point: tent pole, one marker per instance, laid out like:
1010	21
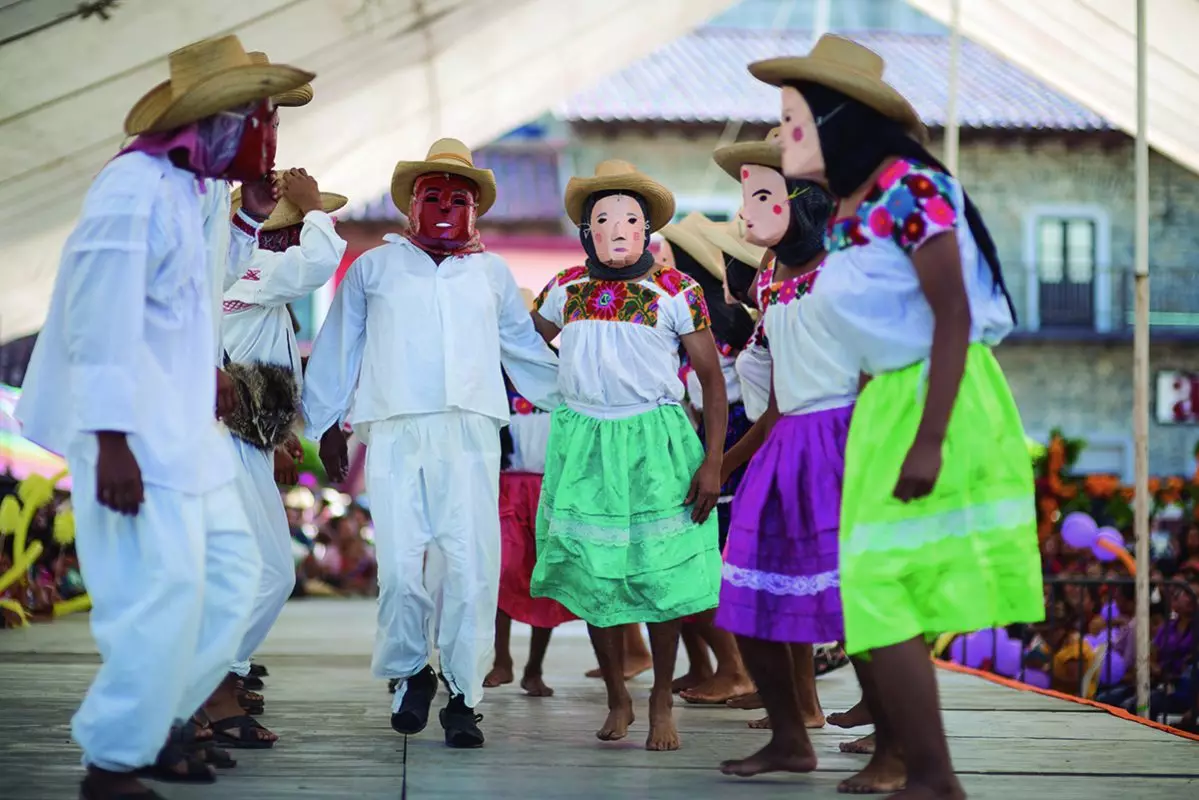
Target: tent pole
1140	409
951	110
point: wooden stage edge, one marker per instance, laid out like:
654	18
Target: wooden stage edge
332	717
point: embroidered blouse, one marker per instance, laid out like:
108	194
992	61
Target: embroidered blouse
619	351
529	428
869	294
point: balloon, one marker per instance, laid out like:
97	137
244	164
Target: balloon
1095	639
1110	612
1079	529
1113	668
974	649
1112	537
1007	658
1037	678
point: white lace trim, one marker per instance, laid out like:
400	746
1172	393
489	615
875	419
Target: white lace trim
636	533
779	584
998	516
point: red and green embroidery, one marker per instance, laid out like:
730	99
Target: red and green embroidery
783	292
611	301
564	277
671	280
700	319
909	204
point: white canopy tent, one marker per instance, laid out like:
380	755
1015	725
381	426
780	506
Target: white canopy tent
393	75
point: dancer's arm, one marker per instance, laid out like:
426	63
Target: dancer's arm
740	453
336	359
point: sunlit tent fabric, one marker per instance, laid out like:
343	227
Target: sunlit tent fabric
393	76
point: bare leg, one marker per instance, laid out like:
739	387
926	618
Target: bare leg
907	694
731	678
609	651
532	683
789	749
664	642
699	668
885	773
501	667
805	683
636	655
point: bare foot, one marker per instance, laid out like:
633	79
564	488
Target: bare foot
719	689
633	667
772	758
663	735
762	724
616	726
813	721
949	790
883	775
593	673
533	685
853	718
693	678
500	675
746	702
860	747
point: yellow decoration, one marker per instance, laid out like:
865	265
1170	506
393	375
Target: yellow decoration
81	603
18	609
64	527
20	565
35	491
10	515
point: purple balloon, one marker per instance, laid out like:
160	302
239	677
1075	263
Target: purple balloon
1079	529
1095	639
1110	535
308	480
1037	678
1007	658
1113	668
973	650
1110	612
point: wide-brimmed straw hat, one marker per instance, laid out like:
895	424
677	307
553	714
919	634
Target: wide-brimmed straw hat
615	174
208	77
287	213
445	156
848	67
688	235
292	98
729	239
766	153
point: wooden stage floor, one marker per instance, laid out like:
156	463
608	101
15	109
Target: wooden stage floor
336	741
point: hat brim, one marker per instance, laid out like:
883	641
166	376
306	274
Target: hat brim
294	98
733	247
160	111
690	239
867	89
287	213
731	158
406	173
657	197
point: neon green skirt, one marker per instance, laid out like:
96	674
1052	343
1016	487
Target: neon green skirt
965	557
615	544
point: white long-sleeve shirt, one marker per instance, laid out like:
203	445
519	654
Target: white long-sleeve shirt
256	325
127	344
230	246
407	336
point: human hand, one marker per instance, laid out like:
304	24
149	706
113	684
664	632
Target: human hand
300	188
286	468
704	491
921	467
118	476
226	395
259	197
292	445
335	453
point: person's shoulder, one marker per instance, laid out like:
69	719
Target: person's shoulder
569	275
671	281
134	173
915	177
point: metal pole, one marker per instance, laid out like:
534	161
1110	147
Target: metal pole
951	111
1140	405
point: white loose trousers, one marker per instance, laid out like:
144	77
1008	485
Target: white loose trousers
433	479
171	594
255	481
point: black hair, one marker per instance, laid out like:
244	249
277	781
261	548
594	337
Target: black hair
740	278
810	206
855	139
731	324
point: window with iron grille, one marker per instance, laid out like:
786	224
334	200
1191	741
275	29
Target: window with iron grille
1066	261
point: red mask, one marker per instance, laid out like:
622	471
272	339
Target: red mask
443	212
256	153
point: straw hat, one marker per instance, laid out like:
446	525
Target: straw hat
765	153
292	98
287	213
729	238
207	77
688	235
617	174
851	69
445	155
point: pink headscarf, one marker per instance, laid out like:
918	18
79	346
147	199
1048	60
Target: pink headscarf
211	143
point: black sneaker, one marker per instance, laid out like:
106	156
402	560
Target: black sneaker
392	685
461	724
413	715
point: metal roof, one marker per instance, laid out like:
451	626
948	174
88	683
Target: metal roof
702	77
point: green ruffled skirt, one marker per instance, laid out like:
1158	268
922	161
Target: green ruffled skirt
962	559
615	544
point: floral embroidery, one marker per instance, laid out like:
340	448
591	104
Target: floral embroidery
670	280
785	291
568	275
519	405
909	204
611	301
725	349
700	319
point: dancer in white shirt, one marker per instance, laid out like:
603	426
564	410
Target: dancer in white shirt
121	382
298	253
413	344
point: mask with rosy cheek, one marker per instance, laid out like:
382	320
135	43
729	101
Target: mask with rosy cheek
444	208
255	156
765	207
618	230
799	138
665	255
